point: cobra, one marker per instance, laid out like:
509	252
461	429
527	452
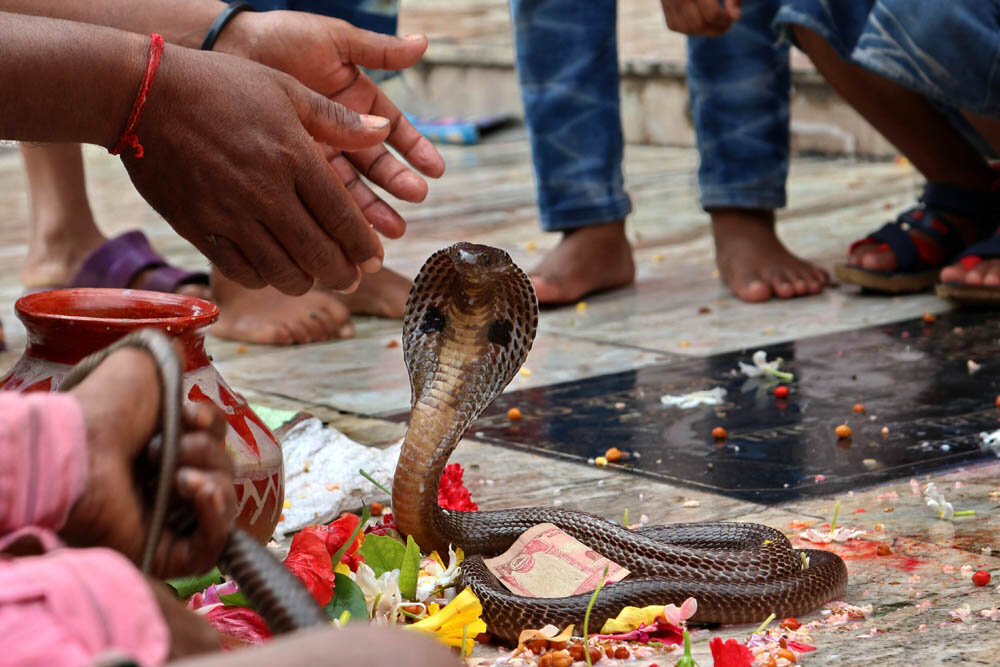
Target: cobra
470	322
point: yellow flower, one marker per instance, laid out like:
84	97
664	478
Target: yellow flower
341	568
630	618
459	617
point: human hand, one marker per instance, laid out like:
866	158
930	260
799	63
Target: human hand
190	634
324	54
701	17
230	163
120	401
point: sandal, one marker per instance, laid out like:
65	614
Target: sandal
920	259
974	295
118	262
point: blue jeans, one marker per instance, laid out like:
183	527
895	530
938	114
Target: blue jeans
567	63
740	89
947	51
376	15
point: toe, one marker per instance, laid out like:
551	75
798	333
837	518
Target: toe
548	292
754	291
953	274
992	276
783	286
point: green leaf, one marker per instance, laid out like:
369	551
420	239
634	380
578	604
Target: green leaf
347	597
237	599
382	554
365	515
185	587
409	570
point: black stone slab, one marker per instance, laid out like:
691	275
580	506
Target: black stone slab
911	377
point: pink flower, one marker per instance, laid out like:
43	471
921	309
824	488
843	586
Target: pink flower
238	626
676	616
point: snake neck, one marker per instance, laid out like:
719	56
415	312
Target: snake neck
422	460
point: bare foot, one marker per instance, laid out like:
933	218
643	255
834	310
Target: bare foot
55	253
754	262
268	317
382	294
986	273
567	273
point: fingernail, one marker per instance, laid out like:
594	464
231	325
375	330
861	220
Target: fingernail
352	287
372	264
374	122
346	331
414	37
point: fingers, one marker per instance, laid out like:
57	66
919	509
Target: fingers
379	166
357	246
376	50
334	123
415	148
273	260
700	17
230	260
205	417
377	212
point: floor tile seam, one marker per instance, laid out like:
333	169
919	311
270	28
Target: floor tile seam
544	329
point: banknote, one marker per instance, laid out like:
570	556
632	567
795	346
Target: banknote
545	562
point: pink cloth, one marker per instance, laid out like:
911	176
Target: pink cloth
69	606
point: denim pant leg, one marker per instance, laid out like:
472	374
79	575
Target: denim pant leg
376	15
740	87
567	63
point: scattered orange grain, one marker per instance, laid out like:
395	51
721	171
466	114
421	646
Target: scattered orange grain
613	454
719	433
929	318
859	407
843	431
514	414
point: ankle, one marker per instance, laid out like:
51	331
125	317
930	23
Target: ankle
741	216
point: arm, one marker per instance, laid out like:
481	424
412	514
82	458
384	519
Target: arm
43	460
321	52
235	138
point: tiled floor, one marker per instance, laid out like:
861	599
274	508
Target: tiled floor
487	197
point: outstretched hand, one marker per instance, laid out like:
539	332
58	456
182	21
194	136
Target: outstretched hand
231	163
120	401
701	17
324	54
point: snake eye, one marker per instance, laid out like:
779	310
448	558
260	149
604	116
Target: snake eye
500	332
433	320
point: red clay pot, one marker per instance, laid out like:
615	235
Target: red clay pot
64	326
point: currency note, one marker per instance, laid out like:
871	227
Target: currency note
545	562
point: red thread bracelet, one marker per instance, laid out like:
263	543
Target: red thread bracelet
128	137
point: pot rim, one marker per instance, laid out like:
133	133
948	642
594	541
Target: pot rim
42	308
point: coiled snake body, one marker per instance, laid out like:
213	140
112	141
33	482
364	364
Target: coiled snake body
470	321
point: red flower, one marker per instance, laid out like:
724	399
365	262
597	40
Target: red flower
309	560
385	526
238	626
452	494
730	654
336	534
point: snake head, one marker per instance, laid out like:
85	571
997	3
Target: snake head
470	322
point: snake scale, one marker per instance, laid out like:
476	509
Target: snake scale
470	321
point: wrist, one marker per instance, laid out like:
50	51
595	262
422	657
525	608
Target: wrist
241	34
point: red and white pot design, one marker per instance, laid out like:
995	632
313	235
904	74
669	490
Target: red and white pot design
64	326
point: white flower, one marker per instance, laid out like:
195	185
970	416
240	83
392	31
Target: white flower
991	442
433	576
695	398
935	500
841	534
761	366
382	591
